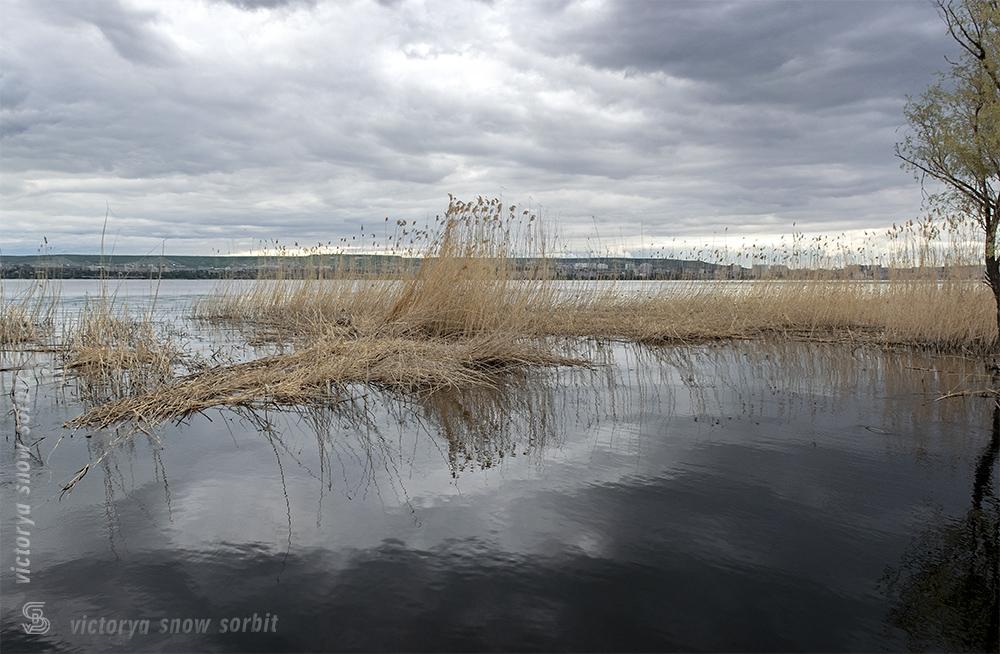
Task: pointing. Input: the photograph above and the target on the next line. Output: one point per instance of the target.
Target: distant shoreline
(85, 266)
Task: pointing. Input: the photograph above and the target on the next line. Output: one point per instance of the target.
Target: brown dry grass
(470, 283)
(946, 316)
(320, 372)
(471, 309)
(114, 353)
(950, 316)
(28, 316)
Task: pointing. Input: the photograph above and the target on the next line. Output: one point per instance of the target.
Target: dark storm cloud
(815, 54)
(209, 121)
(254, 5)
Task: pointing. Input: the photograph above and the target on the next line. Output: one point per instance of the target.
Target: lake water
(738, 497)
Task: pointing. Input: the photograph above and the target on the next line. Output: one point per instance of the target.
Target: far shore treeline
(85, 266)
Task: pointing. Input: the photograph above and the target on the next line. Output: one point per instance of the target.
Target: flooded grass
(114, 353)
(319, 373)
(471, 310)
(27, 317)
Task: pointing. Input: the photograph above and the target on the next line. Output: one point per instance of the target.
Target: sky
(208, 125)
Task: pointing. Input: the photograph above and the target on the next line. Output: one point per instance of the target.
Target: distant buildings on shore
(251, 267)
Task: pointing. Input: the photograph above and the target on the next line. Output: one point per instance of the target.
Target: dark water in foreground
(748, 496)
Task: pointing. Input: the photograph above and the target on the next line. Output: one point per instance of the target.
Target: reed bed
(27, 317)
(946, 316)
(472, 279)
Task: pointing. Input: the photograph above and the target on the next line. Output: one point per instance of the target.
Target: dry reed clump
(114, 353)
(319, 373)
(17, 326)
(469, 281)
(472, 283)
(29, 316)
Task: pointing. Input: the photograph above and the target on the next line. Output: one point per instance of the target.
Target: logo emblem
(39, 623)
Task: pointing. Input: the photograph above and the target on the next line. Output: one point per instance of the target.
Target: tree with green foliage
(955, 125)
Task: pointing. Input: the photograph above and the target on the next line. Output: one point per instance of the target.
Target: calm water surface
(743, 497)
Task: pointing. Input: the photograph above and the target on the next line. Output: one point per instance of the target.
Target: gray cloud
(804, 54)
(129, 31)
(213, 122)
(255, 5)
